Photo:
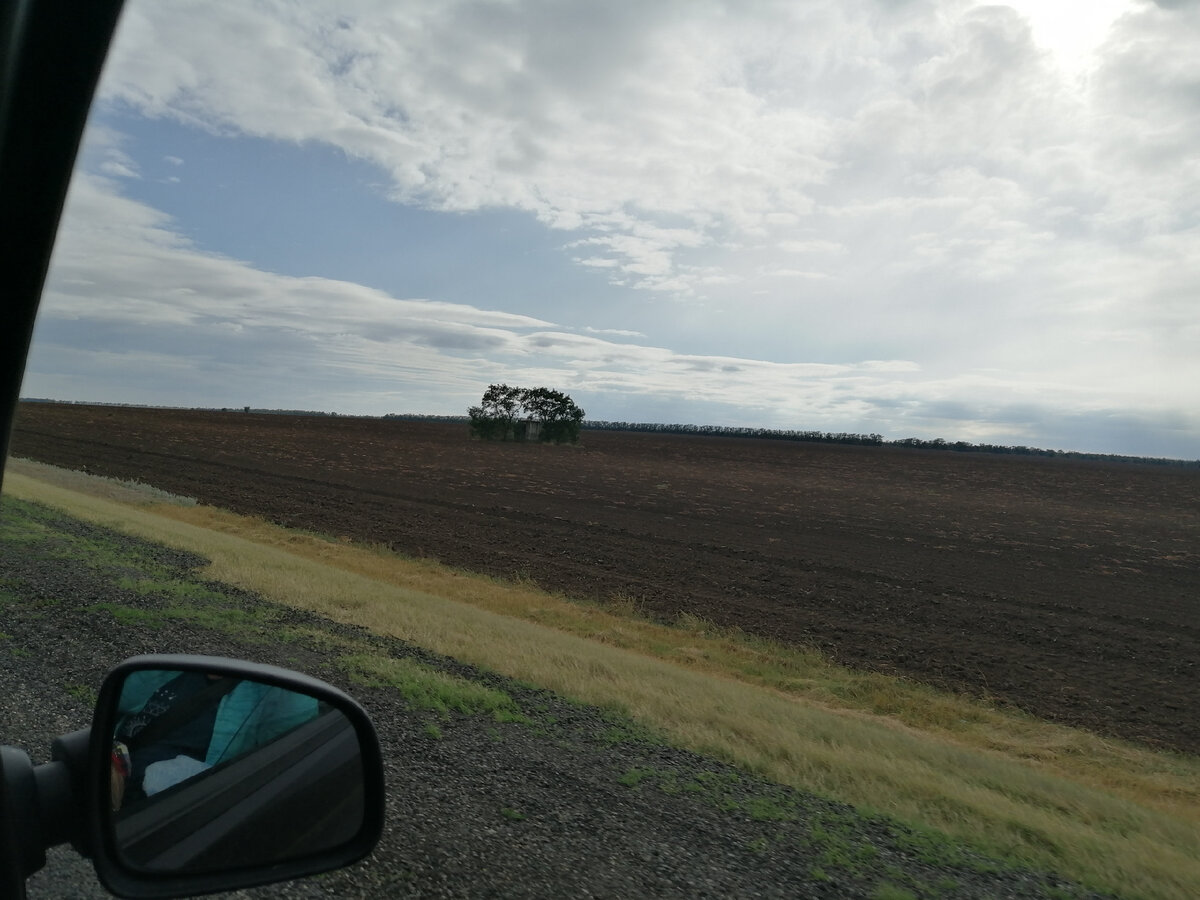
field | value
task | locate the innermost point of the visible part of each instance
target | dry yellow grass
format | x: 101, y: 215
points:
x: 1119, y: 817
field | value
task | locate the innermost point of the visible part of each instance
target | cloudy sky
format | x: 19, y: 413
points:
x: 922, y: 218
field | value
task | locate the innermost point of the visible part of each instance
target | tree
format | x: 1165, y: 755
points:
x: 557, y: 414
x: 496, y: 418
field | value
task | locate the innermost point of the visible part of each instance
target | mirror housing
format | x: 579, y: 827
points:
x: 302, y: 797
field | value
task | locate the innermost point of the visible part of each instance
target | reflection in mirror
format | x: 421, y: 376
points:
x: 211, y: 772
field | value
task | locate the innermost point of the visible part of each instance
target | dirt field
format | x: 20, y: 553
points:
x: 1069, y: 589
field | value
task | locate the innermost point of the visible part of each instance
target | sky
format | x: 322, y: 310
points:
x: 917, y: 218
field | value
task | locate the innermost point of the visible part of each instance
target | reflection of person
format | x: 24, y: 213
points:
x: 165, y: 739
x: 175, y: 725
x: 119, y: 773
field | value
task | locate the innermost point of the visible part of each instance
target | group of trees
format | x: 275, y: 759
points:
x: 515, y: 413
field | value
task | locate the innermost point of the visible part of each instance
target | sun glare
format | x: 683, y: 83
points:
x: 1069, y: 29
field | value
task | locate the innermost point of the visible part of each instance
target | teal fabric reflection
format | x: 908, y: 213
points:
x: 249, y: 716
x: 254, y: 714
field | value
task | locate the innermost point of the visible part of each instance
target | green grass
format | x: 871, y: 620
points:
x: 936, y: 849
x: 206, y: 610
x: 424, y: 687
x: 759, y: 845
x: 35, y: 526
x: 767, y: 809
x: 170, y: 588
x: 839, y: 849
x: 85, y: 694
x: 635, y: 776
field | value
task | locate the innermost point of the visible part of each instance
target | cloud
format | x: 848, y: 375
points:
x: 468, y: 105
x: 119, y: 169
x: 105, y: 152
x: 742, y: 124
x: 129, y: 256
x: 813, y: 246
x: 798, y: 273
x: 614, y: 332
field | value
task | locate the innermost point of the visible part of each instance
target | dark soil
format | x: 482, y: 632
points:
x: 1070, y: 589
x: 573, y: 802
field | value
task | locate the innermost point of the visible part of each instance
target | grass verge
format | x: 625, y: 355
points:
x: 1114, y: 816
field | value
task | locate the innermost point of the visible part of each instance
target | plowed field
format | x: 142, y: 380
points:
x: 1070, y: 589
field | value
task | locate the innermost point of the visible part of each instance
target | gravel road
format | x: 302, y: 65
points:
x: 575, y: 802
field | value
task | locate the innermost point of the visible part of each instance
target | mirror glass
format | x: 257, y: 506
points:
x: 211, y: 772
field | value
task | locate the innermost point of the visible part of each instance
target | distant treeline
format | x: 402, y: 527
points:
x: 280, y: 412
x: 238, y: 409
x: 425, y: 417
x: 774, y: 434
x: 874, y: 440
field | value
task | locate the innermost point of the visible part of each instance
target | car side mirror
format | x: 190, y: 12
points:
x: 208, y: 774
